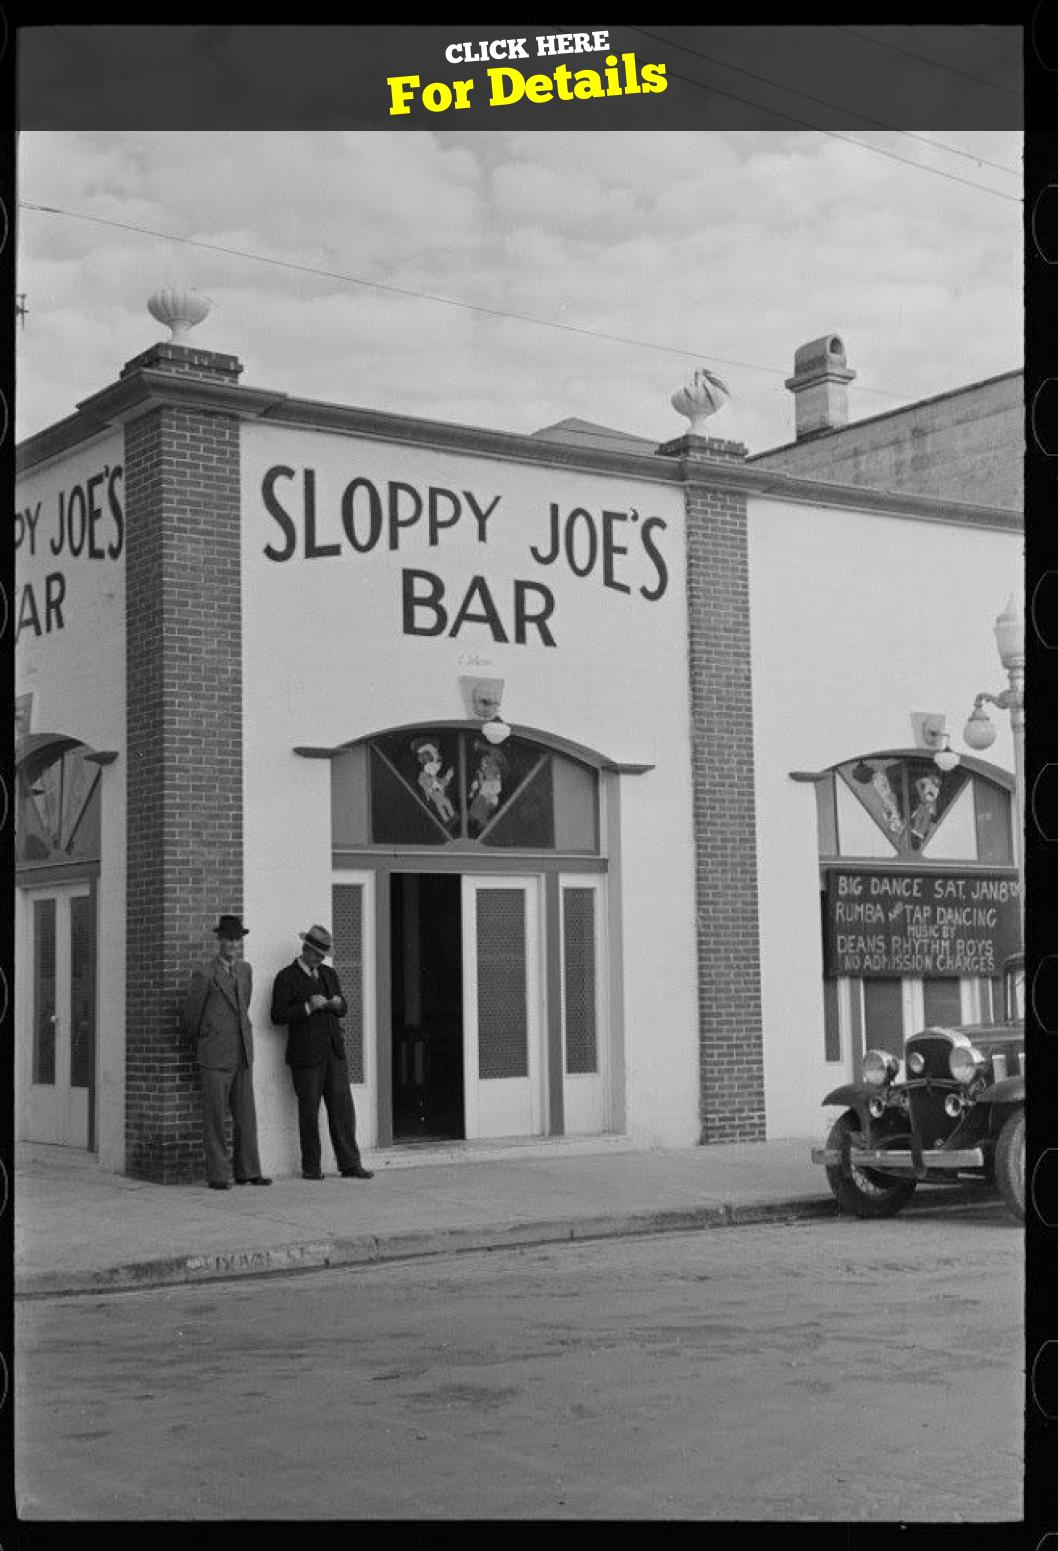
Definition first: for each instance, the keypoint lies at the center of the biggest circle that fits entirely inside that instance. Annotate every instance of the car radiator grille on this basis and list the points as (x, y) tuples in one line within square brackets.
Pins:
[(929, 1122)]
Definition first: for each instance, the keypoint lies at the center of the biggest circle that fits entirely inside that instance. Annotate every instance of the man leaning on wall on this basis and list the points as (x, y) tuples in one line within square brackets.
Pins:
[(216, 1017)]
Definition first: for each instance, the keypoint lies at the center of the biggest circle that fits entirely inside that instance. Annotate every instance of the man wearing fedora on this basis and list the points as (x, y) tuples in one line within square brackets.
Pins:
[(217, 1017), (307, 997)]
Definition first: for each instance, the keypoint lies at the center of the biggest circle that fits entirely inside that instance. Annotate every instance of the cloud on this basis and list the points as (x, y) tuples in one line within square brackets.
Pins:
[(734, 247)]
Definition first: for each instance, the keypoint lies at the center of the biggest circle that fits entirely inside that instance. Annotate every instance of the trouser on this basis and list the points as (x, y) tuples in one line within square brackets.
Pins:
[(329, 1081), (224, 1089)]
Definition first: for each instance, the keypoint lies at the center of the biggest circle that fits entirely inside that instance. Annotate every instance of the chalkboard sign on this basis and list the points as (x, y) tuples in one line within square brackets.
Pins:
[(909, 923)]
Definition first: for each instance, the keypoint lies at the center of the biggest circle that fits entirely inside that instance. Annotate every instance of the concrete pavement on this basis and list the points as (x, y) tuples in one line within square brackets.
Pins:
[(81, 1229)]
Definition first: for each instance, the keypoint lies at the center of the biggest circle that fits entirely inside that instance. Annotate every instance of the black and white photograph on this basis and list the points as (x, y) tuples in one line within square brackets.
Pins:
[(519, 786)]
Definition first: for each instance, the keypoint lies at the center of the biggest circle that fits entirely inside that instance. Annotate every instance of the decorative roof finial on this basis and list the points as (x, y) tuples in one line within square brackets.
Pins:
[(701, 397), (179, 309)]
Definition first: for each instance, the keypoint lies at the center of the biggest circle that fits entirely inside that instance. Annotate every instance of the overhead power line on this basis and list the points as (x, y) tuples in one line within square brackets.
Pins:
[(823, 102), (875, 150), (936, 64), (426, 296)]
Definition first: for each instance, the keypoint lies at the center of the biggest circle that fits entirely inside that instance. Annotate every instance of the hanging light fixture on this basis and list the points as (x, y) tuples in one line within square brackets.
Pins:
[(945, 757), (483, 698), (496, 730)]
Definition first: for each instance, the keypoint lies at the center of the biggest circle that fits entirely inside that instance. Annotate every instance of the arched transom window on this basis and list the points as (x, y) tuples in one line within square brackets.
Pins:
[(445, 786), (58, 806), (900, 807)]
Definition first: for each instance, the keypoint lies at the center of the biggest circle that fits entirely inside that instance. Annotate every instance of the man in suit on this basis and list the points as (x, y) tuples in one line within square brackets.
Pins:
[(307, 997), (217, 1018)]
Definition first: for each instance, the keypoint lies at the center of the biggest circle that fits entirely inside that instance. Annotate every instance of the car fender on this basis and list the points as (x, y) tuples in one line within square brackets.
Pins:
[(1009, 1090), (853, 1095)]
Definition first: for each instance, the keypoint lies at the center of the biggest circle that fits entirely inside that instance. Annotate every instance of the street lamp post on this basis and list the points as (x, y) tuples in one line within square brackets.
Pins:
[(979, 732)]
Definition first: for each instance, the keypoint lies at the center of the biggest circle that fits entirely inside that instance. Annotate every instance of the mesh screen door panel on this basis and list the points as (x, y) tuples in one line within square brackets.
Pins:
[(579, 989), (347, 902), (45, 982), (503, 1020)]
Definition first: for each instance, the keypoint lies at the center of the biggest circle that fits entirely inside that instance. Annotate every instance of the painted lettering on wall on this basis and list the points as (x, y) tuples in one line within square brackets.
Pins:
[(86, 523), (894, 923), (616, 549)]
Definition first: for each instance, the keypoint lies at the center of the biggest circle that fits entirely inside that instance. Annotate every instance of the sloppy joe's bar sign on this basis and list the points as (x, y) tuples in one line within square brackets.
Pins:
[(619, 550), (82, 520), (897, 923)]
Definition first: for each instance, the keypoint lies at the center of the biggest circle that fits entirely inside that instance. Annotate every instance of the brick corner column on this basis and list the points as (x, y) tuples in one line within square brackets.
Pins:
[(184, 675), (730, 1028)]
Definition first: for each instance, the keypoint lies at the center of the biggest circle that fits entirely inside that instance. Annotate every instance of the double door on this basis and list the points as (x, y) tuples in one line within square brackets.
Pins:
[(57, 1021), (487, 995)]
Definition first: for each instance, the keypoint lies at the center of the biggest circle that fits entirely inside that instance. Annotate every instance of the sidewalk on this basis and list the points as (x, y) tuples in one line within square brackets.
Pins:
[(80, 1229)]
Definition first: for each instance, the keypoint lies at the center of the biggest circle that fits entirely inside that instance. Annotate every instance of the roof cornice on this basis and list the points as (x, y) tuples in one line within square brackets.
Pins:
[(146, 389), (137, 395)]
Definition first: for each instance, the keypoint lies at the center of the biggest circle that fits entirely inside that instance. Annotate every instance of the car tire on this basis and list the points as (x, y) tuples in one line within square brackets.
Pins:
[(863, 1192), (1010, 1163)]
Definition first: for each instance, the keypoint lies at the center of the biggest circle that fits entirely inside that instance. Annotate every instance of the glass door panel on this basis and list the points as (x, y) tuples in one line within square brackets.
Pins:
[(501, 1007), (60, 1020)]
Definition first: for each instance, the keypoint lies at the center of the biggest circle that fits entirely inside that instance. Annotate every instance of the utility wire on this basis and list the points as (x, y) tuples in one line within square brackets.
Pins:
[(443, 301), (823, 102), (876, 150), (935, 63)]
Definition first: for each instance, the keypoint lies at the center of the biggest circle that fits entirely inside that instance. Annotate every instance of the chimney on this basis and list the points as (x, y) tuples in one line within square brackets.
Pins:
[(820, 387)]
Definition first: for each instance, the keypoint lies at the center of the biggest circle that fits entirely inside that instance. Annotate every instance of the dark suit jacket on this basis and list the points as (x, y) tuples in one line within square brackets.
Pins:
[(309, 1037), (217, 1014)]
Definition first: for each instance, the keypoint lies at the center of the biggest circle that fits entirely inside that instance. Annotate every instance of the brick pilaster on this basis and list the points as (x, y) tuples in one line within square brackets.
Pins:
[(731, 1072), (185, 821)]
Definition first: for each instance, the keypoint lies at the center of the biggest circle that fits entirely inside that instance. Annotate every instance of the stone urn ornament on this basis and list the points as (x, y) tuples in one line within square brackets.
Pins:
[(179, 309), (701, 397)]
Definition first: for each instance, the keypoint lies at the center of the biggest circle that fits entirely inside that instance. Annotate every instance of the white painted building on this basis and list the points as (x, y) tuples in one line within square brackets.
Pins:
[(259, 642)]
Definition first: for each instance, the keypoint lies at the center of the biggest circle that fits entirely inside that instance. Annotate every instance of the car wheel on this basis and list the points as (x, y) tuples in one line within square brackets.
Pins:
[(1010, 1163), (863, 1192)]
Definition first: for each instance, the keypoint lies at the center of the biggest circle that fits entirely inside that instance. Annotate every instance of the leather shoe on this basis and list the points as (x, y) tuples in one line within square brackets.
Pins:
[(220, 1184), (255, 1179), (310, 1176), (357, 1173)]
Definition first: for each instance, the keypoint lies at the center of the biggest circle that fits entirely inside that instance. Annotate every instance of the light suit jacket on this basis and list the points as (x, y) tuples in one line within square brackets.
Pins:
[(217, 1014)]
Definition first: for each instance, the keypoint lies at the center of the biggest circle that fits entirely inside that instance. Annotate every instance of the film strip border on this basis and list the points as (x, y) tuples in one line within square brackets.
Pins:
[(7, 744), (1041, 774)]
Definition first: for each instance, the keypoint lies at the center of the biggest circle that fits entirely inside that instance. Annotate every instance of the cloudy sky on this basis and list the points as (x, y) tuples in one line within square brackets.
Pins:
[(720, 248)]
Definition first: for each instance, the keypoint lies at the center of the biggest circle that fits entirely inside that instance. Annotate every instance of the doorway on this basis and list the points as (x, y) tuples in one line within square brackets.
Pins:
[(466, 978), (426, 967), (59, 1018)]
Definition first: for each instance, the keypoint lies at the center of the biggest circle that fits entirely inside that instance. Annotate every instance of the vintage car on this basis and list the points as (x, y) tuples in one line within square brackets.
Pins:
[(952, 1110)]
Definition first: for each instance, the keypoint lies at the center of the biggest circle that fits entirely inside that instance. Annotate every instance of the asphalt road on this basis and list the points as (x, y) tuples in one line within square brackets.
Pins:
[(832, 1370)]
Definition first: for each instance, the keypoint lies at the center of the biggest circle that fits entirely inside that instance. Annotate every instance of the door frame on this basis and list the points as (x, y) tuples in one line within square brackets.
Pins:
[(368, 862)]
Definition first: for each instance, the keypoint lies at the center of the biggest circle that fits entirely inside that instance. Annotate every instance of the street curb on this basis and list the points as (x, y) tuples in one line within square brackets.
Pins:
[(371, 1249)]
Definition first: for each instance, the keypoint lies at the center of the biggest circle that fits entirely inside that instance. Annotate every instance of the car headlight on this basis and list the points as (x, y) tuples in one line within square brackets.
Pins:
[(916, 1063), (965, 1062), (879, 1067)]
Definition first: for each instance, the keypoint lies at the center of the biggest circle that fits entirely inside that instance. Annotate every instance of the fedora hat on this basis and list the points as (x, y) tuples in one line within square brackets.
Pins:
[(230, 926), (317, 937)]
